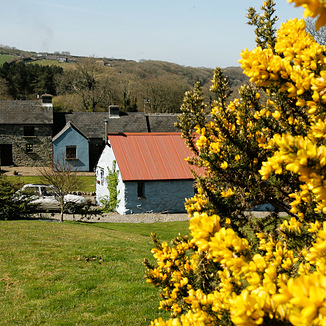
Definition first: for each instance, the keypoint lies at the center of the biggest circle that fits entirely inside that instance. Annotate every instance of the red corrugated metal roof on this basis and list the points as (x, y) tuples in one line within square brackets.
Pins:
[(151, 156)]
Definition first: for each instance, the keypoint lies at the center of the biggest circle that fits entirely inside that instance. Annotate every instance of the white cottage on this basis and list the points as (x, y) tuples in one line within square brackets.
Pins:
[(153, 174)]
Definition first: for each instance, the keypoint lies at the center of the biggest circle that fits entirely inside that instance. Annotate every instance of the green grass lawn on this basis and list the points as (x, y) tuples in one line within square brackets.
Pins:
[(5, 57), (78, 273), (88, 182)]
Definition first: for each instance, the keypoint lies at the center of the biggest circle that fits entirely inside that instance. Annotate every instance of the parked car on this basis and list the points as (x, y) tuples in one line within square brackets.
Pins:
[(45, 198)]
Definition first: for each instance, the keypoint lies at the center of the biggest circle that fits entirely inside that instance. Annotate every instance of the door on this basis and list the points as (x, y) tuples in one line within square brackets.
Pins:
[(6, 154)]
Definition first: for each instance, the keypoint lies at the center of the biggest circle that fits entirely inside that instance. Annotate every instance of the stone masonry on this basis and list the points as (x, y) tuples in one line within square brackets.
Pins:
[(41, 153), (26, 130)]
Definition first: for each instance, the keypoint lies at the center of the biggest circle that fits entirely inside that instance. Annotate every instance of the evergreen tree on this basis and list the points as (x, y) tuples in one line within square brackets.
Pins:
[(25, 81)]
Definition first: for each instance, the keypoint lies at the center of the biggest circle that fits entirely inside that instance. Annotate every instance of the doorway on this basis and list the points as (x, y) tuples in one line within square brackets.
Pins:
[(6, 154)]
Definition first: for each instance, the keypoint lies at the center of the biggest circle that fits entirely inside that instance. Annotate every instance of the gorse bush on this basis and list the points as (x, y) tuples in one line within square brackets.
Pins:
[(267, 146)]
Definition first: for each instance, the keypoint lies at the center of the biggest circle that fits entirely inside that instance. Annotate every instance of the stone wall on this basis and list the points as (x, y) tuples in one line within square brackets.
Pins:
[(42, 144), (159, 196)]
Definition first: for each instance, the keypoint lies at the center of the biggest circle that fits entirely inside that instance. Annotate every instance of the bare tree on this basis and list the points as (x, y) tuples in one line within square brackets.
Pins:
[(90, 81), (64, 180), (165, 93)]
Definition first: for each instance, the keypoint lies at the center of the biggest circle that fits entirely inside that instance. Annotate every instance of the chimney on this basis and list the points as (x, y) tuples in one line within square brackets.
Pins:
[(106, 131), (47, 100), (114, 111)]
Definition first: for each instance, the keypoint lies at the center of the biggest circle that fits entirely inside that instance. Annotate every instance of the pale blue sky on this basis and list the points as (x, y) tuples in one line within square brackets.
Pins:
[(205, 33)]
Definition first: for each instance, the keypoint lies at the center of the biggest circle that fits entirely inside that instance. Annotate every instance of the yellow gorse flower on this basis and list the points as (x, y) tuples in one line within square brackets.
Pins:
[(264, 276), (227, 193), (313, 8)]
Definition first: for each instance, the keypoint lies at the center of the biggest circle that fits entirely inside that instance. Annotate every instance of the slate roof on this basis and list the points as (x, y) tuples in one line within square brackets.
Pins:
[(25, 112), (151, 156), (65, 128), (162, 122), (91, 124)]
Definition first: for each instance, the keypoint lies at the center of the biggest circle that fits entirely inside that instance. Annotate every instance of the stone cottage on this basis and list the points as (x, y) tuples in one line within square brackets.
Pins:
[(26, 132), (153, 174)]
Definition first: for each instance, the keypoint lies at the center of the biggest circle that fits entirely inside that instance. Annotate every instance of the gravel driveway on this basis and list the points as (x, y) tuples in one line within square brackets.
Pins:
[(130, 218), (115, 217)]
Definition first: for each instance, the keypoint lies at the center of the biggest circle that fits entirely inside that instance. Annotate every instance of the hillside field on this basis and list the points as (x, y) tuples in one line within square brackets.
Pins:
[(6, 57)]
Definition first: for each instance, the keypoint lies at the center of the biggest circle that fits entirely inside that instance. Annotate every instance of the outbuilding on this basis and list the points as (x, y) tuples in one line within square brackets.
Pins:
[(153, 175)]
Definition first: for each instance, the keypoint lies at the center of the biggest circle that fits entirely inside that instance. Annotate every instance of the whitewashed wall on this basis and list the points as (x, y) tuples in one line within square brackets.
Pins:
[(106, 161)]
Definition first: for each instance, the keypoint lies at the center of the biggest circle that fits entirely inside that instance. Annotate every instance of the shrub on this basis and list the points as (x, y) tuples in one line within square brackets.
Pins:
[(111, 202), (269, 146), (11, 207)]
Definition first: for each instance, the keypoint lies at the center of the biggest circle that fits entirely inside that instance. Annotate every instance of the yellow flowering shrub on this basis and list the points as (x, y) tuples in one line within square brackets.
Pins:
[(266, 147), (313, 8)]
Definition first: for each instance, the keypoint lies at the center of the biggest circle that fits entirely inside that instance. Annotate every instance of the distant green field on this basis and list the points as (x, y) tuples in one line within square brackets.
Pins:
[(50, 63), (5, 57)]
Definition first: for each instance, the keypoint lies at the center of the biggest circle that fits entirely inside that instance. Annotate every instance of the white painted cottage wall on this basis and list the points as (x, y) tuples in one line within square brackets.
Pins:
[(106, 161)]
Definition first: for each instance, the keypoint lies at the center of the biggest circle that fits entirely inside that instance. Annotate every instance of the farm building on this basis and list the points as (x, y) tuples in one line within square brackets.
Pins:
[(26, 132), (153, 175)]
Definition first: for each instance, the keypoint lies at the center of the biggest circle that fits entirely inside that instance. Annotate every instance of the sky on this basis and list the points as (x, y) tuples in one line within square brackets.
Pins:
[(205, 33)]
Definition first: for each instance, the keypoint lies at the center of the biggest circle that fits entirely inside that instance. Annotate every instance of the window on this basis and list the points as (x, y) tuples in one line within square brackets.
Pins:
[(29, 148), (29, 131), (71, 152), (141, 189), (101, 177), (48, 192), (29, 191)]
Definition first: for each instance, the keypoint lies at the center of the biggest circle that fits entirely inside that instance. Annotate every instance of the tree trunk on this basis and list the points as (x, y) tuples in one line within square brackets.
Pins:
[(61, 211)]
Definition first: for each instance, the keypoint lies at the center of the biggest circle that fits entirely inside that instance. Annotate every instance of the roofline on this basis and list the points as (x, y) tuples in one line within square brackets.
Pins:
[(143, 180), (144, 133), (68, 125), (27, 123)]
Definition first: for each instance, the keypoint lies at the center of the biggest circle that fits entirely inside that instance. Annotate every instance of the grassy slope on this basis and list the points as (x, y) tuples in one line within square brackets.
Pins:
[(44, 278)]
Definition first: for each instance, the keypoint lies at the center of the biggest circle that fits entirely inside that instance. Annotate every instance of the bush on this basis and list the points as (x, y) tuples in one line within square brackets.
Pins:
[(268, 146), (111, 202), (10, 206)]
